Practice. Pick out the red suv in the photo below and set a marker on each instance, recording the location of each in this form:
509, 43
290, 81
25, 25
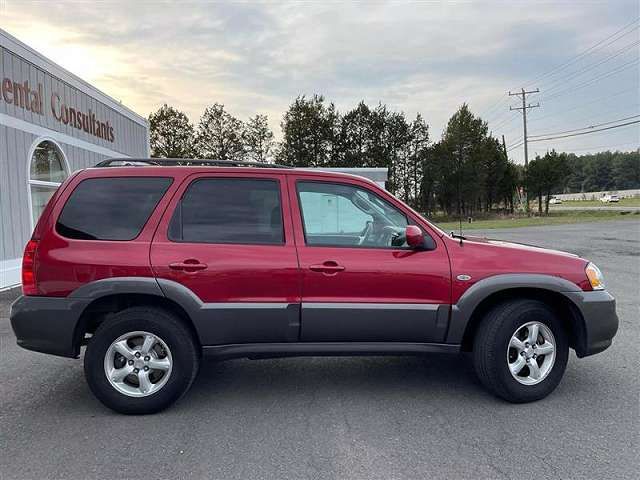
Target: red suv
151, 264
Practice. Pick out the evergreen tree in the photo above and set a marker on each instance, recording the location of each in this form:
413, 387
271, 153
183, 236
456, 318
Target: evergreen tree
546, 175
308, 129
258, 139
171, 135
220, 135
419, 143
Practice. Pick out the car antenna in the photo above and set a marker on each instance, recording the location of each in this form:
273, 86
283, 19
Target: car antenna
453, 234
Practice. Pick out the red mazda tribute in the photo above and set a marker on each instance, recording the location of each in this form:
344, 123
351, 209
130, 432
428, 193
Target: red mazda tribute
152, 263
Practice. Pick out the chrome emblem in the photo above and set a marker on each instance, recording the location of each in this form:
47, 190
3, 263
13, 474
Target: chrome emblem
463, 278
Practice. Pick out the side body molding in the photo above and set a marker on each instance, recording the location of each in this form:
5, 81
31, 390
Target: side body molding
461, 312
241, 322
215, 323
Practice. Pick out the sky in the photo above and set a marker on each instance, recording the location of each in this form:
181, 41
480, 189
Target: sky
427, 57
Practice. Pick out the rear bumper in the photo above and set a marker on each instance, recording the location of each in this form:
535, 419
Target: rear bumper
48, 324
600, 321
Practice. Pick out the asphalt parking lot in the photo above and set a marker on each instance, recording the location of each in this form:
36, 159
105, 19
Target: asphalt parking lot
356, 418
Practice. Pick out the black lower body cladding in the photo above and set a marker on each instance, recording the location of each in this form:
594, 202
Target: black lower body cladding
598, 310
48, 324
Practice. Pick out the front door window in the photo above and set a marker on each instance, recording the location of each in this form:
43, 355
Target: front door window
347, 216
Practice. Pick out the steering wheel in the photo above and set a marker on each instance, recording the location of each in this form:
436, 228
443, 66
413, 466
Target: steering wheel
388, 236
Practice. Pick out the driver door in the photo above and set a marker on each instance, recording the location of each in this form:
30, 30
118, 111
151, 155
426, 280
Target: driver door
357, 286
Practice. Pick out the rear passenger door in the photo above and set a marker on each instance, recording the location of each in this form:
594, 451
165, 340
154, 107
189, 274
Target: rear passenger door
227, 239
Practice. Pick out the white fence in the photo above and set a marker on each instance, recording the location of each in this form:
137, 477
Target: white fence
597, 195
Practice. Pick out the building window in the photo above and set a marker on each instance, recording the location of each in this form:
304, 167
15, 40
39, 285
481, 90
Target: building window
47, 170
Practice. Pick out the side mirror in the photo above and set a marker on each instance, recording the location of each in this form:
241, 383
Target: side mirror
418, 240
414, 236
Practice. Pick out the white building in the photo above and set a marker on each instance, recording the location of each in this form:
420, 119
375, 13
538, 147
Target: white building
51, 124
378, 175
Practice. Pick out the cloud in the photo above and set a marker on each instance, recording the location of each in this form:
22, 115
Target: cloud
256, 57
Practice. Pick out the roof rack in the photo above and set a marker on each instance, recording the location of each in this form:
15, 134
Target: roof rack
183, 162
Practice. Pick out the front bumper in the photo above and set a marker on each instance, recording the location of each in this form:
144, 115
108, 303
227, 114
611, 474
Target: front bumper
48, 324
600, 321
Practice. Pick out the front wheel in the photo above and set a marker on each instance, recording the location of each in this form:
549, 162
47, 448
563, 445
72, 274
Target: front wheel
520, 351
141, 360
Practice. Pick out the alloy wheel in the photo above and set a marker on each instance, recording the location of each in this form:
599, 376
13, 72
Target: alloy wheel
138, 364
531, 353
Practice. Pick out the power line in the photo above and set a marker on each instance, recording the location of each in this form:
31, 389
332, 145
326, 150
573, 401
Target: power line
518, 141
584, 104
498, 116
584, 128
594, 47
495, 105
584, 149
583, 119
515, 146
505, 121
590, 119
560, 81
593, 80
585, 133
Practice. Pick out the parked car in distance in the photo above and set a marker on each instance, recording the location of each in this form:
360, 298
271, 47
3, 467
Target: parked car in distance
555, 201
609, 198
150, 264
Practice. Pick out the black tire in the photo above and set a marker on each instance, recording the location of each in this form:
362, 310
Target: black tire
492, 340
184, 350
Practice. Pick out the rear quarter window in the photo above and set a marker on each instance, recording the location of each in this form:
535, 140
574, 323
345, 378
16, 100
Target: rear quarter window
115, 208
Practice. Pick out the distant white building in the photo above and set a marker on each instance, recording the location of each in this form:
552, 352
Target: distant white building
378, 175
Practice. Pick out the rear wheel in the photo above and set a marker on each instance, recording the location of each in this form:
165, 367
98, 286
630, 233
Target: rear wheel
520, 351
141, 360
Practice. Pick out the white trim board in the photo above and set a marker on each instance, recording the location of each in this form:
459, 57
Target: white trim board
19, 124
14, 45
10, 273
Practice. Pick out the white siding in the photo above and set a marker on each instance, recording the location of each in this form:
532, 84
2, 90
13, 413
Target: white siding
21, 128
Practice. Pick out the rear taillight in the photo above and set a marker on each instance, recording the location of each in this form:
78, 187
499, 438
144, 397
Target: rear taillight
29, 284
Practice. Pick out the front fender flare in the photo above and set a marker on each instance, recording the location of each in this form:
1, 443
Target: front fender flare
462, 311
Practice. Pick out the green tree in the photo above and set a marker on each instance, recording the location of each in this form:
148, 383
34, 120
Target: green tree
418, 146
432, 178
308, 133
171, 135
398, 137
355, 137
463, 142
495, 171
508, 185
258, 139
599, 173
220, 135
626, 170
546, 175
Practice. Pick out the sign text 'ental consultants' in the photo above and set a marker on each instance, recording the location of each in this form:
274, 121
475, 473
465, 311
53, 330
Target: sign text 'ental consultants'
29, 98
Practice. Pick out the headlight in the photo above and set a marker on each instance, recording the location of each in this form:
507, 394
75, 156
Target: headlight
595, 277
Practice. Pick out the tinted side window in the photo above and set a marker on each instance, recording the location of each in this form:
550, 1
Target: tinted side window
111, 208
229, 210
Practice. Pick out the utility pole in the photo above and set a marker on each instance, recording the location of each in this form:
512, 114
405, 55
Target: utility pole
522, 93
